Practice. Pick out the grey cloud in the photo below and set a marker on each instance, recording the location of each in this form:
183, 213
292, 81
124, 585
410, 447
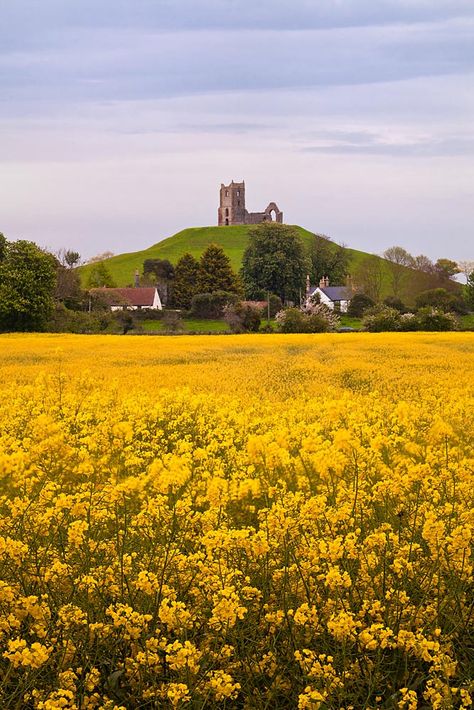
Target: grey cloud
127, 65
371, 144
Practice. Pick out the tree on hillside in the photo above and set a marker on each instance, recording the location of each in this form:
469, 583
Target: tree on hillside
27, 285
100, 257
328, 259
100, 277
447, 269
399, 260
469, 290
215, 272
163, 272
368, 277
275, 262
186, 276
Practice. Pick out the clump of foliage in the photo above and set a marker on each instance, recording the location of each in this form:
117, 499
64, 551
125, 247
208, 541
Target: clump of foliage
317, 319
274, 262
433, 319
242, 318
211, 305
28, 278
358, 304
185, 284
381, 318
215, 272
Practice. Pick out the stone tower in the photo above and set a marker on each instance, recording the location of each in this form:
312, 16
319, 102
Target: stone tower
232, 208
232, 204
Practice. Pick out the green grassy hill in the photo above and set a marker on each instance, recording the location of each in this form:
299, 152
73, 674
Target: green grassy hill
193, 240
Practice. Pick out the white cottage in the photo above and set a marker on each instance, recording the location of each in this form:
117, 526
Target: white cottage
335, 297
132, 299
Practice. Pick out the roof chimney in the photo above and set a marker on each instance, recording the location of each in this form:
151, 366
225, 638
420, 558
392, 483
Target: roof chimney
137, 279
322, 282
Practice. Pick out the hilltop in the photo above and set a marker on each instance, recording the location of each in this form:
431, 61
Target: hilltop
194, 240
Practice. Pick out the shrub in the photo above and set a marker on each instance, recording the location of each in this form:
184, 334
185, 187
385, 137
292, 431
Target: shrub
359, 303
294, 320
396, 303
211, 305
315, 309
409, 322
381, 318
436, 320
441, 299
64, 320
242, 318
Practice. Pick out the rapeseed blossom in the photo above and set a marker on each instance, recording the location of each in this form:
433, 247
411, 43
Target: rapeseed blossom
236, 522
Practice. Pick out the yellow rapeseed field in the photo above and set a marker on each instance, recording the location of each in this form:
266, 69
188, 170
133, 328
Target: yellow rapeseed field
252, 522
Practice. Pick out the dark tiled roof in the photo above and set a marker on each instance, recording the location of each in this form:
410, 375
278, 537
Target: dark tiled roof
141, 296
337, 293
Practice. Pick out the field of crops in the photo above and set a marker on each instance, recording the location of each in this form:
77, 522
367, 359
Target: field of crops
251, 522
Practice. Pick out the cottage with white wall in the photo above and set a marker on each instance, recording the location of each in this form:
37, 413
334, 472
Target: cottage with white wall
335, 297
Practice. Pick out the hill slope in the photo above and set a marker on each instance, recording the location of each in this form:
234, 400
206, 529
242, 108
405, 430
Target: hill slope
193, 240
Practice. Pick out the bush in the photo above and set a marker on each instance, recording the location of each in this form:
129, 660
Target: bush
380, 319
409, 322
294, 320
315, 309
442, 300
242, 318
64, 320
359, 304
211, 305
396, 303
436, 320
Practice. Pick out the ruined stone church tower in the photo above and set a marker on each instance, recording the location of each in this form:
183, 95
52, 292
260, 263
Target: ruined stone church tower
232, 208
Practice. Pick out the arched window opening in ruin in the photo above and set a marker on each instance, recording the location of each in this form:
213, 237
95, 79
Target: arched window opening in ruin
226, 211
227, 221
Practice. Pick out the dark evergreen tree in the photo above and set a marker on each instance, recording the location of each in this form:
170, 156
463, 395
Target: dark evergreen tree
27, 285
274, 262
215, 272
185, 283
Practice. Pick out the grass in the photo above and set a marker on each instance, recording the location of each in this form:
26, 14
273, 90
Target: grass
195, 240
190, 325
348, 322
467, 321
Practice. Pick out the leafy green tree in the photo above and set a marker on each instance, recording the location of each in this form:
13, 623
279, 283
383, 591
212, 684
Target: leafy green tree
275, 262
27, 286
215, 272
399, 261
328, 259
100, 276
446, 268
186, 276
368, 277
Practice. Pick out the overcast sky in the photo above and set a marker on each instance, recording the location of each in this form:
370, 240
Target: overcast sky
119, 119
